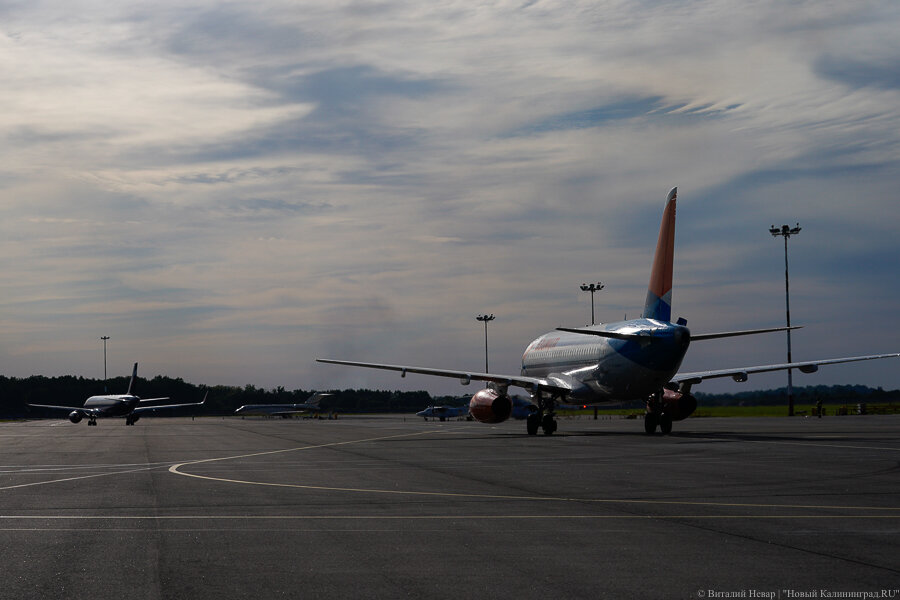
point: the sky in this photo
(230, 190)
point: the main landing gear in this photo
(544, 417)
(92, 421)
(655, 416)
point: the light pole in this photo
(104, 338)
(786, 231)
(485, 319)
(594, 287)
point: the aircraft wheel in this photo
(532, 422)
(651, 420)
(665, 424)
(548, 424)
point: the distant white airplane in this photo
(443, 413)
(116, 405)
(636, 359)
(522, 408)
(285, 411)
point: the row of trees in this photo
(17, 393)
(828, 394)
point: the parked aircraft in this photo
(285, 411)
(442, 413)
(116, 405)
(522, 408)
(613, 362)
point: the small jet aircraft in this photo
(442, 413)
(116, 405)
(522, 408)
(285, 411)
(636, 359)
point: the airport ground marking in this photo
(175, 469)
(79, 477)
(465, 517)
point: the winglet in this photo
(659, 293)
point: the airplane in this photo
(521, 408)
(443, 413)
(116, 405)
(635, 359)
(285, 411)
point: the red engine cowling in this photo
(75, 416)
(490, 406)
(678, 405)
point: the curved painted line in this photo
(175, 470)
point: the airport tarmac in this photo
(391, 507)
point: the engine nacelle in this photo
(75, 416)
(678, 405)
(490, 406)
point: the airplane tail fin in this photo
(133, 378)
(659, 294)
(316, 398)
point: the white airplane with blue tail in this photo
(636, 359)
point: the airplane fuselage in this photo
(601, 369)
(113, 405)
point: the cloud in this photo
(231, 190)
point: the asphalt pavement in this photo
(396, 507)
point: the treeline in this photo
(828, 394)
(17, 393)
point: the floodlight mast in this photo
(485, 319)
(104, 338)
(786, 231)
(593, 287)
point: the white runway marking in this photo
(175, 469)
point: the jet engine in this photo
(490, 406)
(75, 416)
(678, 405)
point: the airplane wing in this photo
(143, 409)
(529, 383)
(84, 411)
(742, 373)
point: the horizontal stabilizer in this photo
(643, 336)
(607, 334)
(725, 334)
